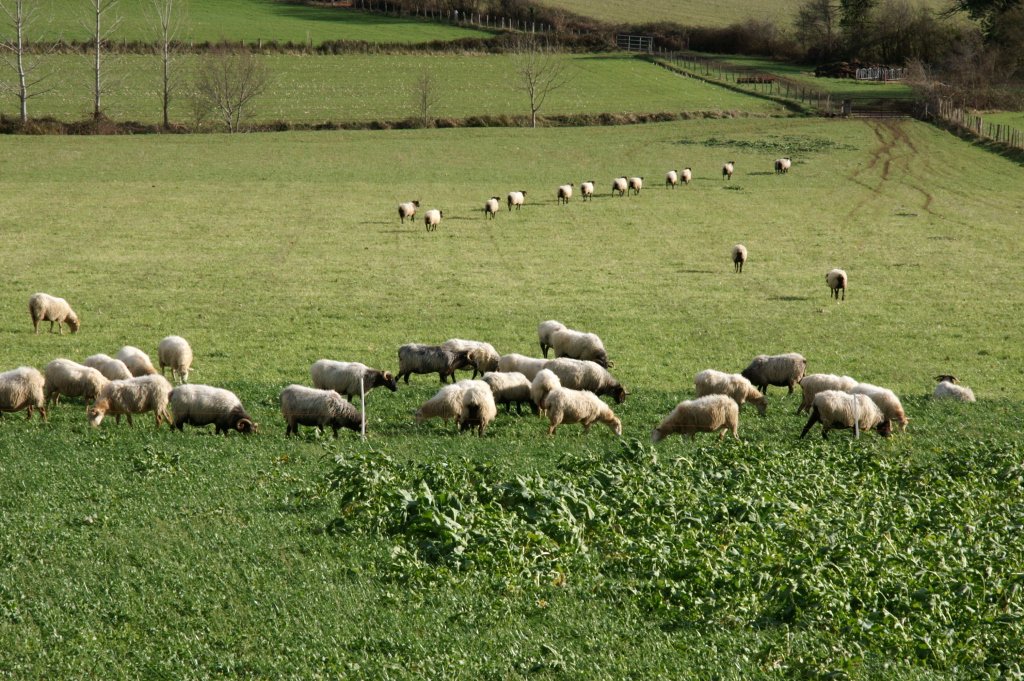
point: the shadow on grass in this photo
(789, 299)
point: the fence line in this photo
(976, 125)
(880, 73)
(451, 16)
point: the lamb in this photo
(580, 374)
(836, 280)
(22, 388)
(587, 190)
(565, 193)
(510, 388)
(564, 405)
(739, 256)
(727, 170)
(579, 345)
(414, 358)
(46, 308)
(706, 414)
(671, 179)
(544, 382)
(407, 210)
(492, 206)
(544, 331)
(302, 406)
(432, 218)
(136, 360)
(445, 404)
(516, 199)
(835, 409)
(765, 370)
(687, 175)
(635, 185)
(620, 185)
(201, 405)
(113, 369)
(782, 165)
(527, 366)
(949, 389)
(345, 377)
(886, 400)
(64, 377)
(478, 408)
(176, 353)
(812, 384)
(711, 382)
(482, 356)
(132, 396)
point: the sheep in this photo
(739, 256)
(201, 405)
(671, 179)
(812, 384)
(579, 374)
(510, 388)
(22, 388)
(516, 199)
(445, 404)
(478, 408)
(620, 185)
(482, 356)
(886, 400)
(565, 193)
(46, 308)
(765, 370)
(948, 389)
(132, 396)
(711, 382)
(587, 190)
(407, 210)
(414, 358)
(432, 218)
(635, 185)
(136, 360)
(687, 175)
(345, 377)
(64, 377)
(839, 410)
(544, 331)
(527, 366)
(836, 280)
(564, 405)
(727, 170)
(113, 369)
(544, 382)
(706, 414)
(782, 165)
(579, 345)
(492, 206)
(302, 406)
(176, 353)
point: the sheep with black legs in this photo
(432, 218)
(201, 405)
(544, 332)
(345, 378)
(671, 179)
(812, 384)
(407, 210)
(706, 414)
(587, 190)
(565, 193)
(782, 165)
(302, 406)
(839, 410)
(739, 256)
(686, 176)
(22, 388)
(620, 185)
(635, 185)
(414, 358)
(727, 170)
(492, 206)
(510, 388)
(516, 199)
(837, 281)
(782, 370)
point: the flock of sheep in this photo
(567, 389)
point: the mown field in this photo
(128, 552)
(838, 87)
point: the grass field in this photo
(128, 552)
(336, 88)
(1011, 118)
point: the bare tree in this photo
(228, 82)
(817, 27)
(21, 14)
(100, 9)
(541, 71)
(425, 96)
(169, 16)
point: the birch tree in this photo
(21, 16)
(169, 19)
(100, 12)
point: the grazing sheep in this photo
(836, 280)
(544, 382)
(620, 185)
(132, 396)
(812, 384)
(445, 404)
(706, 414)
(565, 193)
(635, 185)
(345, 377)
(492, 206)
(727, 170)
(22, 388)
(516, 199)
(302, 406)
(113, 369)
(579, 345)
(176, 353)
(64, 377)
(407, 210)
(782, 165)
(201, 405)
(711, 382)
(46, 308)
(781, 370)
(478, 408)
(544, 331)
(739, 256)
(687, 176)
(510, 388)
(527, 366)
(886, 400)
(587, 190)
(839, 410)
(136, 360)
(564, 405)
(580, 374)
(948, 389)
(414, 358)
(432, 218)
(482, 356)
(671, 179)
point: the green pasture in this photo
(310, 89)
(141, 552)
(1012, 118)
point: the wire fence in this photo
(958, 117)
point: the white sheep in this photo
(781, 370)
(839, 410)
(478, 408)
(836, 280)
(587, 190)
(492, 206)
(527, 366)
(706, 414)
(176, 353)
(407, 210)
(302, 406)
(635, 185)
(782, 165)
(136, 360)
(949, 389)
(22, 388)
(113, 369)
(620, 185)
(544, 331)
(564, 405)
(579, 345)
(812, 384)
(445, 404)
(544, 382)
(565, 193)
(516, 199)
(482, 356)
(711, 382)
(414, 358)
(510, 388)
(345, 377)
(739, 256)
(201, 405)
(687, 176)
(432, 218)
(671, 179)
(727, 170)
(46, 308)
(581, 374)
(132, 396)
(886, 400)
(64, 377)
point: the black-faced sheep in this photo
(739, 256)
(71, 379)
(176, 353)
(345, 378)
(302, 406)
(564, 405)
(635, 185)
(201, 405)
(414, 358)
(516, 199)
(671, 179)
(687, 176)
(727, 170)
(706, 414)
(432, 218)
(782, 165)
(492, 206)
(620, 185)
(46, 308)
(949, 389)
(565, 193)
(407, 210)
(132, 396)
(711, 382)
(579, 374)
(839, 410)
(782, 370)
(836, 280)
(587, 190)
(22, 388)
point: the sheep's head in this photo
(950, 378)
(97, 411)
(416, 203)
(615, 424)
(657, 436)
(389, 381)
(884, 428)
(761, 403)
(73, 323)
(246, 426)
(620, 394)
